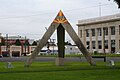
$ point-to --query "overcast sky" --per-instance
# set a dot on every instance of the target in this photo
(30, 17)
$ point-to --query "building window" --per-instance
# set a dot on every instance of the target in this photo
(93, 44)
(112, 46)
(112, 43)
(87, 33)
(99, 31)
(88, 45)
(80, 33)
(99, 44)
(105, 31)
(113, 30)
(106, 44)
(93, 32)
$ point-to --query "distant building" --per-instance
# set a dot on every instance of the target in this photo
(9, 49)
(12, 39)
(69, 49)
(72, 49)
(100, 34)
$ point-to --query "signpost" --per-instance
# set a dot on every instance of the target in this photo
(9, 65)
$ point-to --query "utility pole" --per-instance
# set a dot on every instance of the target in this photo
(100, 10)
(53, 44)
(51, 40)
(7, 45)
(25, 45)
(6, 42)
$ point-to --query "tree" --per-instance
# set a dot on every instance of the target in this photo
(67, 43)
(34, 43)
(26, 43)
(17, 42)
(2, 42)
(118, 2)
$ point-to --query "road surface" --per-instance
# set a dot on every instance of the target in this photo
(52, 59)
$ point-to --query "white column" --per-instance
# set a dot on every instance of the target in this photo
(109, 39)
(90, 41)
(84, 36)
(96, 42)
(116, 38)
(103, 39)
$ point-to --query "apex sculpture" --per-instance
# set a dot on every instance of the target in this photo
(60, 23)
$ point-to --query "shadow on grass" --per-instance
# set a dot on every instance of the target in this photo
(58, 70)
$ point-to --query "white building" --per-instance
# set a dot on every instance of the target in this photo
(69, 49)
(100, 34)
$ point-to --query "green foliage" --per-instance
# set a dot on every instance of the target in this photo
(34, 43)
(118, 2)
(17, 42)
(67, 43)
(26, 43)
(95, 52)
(2, 42)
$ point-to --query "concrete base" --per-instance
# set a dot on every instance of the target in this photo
(59, 62)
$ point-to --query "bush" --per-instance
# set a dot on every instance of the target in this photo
(95, 52)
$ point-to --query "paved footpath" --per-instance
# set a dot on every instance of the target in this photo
(52, 59)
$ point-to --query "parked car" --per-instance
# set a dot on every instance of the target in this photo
(1, 56)
(28, 54)
(117, 52)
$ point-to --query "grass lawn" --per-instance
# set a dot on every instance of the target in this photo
(81, 55)
(71, 71)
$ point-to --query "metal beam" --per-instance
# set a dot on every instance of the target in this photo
(42, 43)
(78, 42)
(61, 41)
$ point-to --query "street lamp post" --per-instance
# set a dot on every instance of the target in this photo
(7, 46)
(25, 45)
(53, 45)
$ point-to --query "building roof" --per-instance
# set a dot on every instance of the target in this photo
(109, 18)
(15, 37)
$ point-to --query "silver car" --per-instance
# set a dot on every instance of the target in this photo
(117, 52)
(1, 56)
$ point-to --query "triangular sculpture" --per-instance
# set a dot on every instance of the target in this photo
(60, 23)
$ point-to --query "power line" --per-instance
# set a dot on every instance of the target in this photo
(88, 7)
(54, 12)
(26, 16)
(99, 9)
(22, 34)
